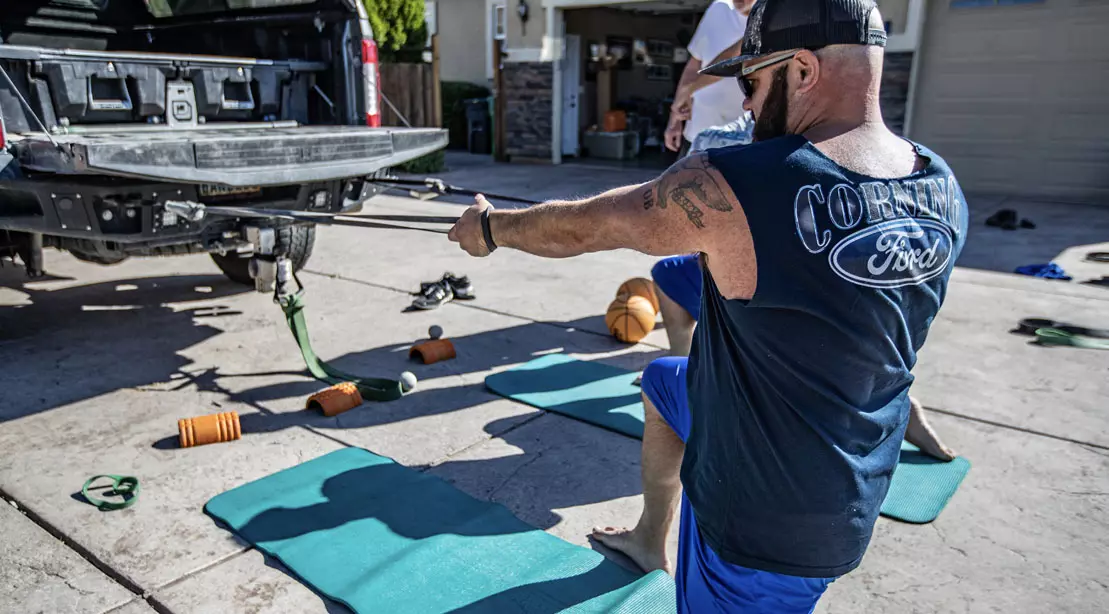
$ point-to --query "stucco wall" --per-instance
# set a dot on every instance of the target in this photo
(528, 35)
(896, 13)
(462, 35)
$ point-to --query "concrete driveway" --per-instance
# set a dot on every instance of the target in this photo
(100, 362)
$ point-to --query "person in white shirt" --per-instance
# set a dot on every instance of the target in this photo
(702, 101)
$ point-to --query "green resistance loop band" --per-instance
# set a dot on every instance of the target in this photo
(122, 485)
(1055, 336)
(371, 388)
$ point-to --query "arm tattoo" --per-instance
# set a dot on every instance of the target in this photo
(691, 186)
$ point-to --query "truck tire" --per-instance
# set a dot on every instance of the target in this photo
(299, 241)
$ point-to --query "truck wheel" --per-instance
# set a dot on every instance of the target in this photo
(298, 240)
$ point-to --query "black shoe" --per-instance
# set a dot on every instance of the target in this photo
(1005, 218)
(461, 287)
(432, 295)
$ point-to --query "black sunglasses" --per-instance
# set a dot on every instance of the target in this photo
(742, 76)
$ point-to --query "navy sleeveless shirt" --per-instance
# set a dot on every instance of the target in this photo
(799, 396)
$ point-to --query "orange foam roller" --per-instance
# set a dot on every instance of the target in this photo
(213, 428)
(433, 351)
(336, 399)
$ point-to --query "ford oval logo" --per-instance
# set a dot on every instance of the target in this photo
(893, 254)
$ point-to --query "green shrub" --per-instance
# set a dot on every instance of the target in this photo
(397, 24)
(431, 163)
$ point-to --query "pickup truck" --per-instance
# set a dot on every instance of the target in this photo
(110, 110)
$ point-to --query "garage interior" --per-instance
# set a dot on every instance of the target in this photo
(623, 63)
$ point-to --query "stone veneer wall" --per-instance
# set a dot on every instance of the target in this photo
(895, 89)
(528, 109)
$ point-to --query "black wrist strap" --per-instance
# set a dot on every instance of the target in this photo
(487, 231)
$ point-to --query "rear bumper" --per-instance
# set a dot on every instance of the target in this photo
(133, 212)
(231, 156)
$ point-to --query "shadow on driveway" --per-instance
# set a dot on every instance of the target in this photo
(68, 344)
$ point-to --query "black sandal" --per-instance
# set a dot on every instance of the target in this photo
(1005, 218)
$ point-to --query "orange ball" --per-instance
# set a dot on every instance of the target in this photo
(630, 319)
(640, 286)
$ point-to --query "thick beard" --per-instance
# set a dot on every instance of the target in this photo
(771, 123)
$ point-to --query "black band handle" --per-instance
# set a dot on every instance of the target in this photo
(487, 231)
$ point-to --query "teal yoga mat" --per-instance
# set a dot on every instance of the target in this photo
(604, 395)
(380, 537)
(594, 392)
(922, 485)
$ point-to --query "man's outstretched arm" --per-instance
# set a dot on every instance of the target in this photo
(684, 210)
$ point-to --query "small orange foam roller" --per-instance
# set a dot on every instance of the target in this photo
(213, 428)
(433, 351)
(336, 399)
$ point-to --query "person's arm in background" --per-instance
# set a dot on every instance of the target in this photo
(720, 29)
(686, 87)
(681, 112)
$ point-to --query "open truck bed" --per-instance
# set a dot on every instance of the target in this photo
(111, 112)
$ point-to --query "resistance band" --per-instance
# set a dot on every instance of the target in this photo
(123, 485)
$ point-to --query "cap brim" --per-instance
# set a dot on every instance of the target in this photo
(729, 67)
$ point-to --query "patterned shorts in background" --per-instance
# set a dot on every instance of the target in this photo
(734, 133)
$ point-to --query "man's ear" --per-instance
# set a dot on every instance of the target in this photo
(807, 71)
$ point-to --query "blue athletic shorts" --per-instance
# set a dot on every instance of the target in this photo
(679, 277)
(704, 582)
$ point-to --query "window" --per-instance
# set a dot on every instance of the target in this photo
(495, 29)
(498, 21)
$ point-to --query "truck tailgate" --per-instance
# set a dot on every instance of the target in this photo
(230, 156)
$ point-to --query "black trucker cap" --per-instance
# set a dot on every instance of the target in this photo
(781, 25)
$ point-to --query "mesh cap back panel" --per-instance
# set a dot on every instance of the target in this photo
(778, 25)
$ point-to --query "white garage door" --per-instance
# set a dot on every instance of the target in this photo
(1015, 95)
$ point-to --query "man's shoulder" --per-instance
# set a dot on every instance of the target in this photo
(934, 159)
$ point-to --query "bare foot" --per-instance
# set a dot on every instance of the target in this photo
(649, 557)
(920, 433)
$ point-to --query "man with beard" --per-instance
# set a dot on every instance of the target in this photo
(826, 249)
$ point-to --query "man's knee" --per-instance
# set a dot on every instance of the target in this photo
(655, 382)
(658, 272)
(669, 276)
(664, 387)
(678, 278)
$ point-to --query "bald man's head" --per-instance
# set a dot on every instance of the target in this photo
(832, 83)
